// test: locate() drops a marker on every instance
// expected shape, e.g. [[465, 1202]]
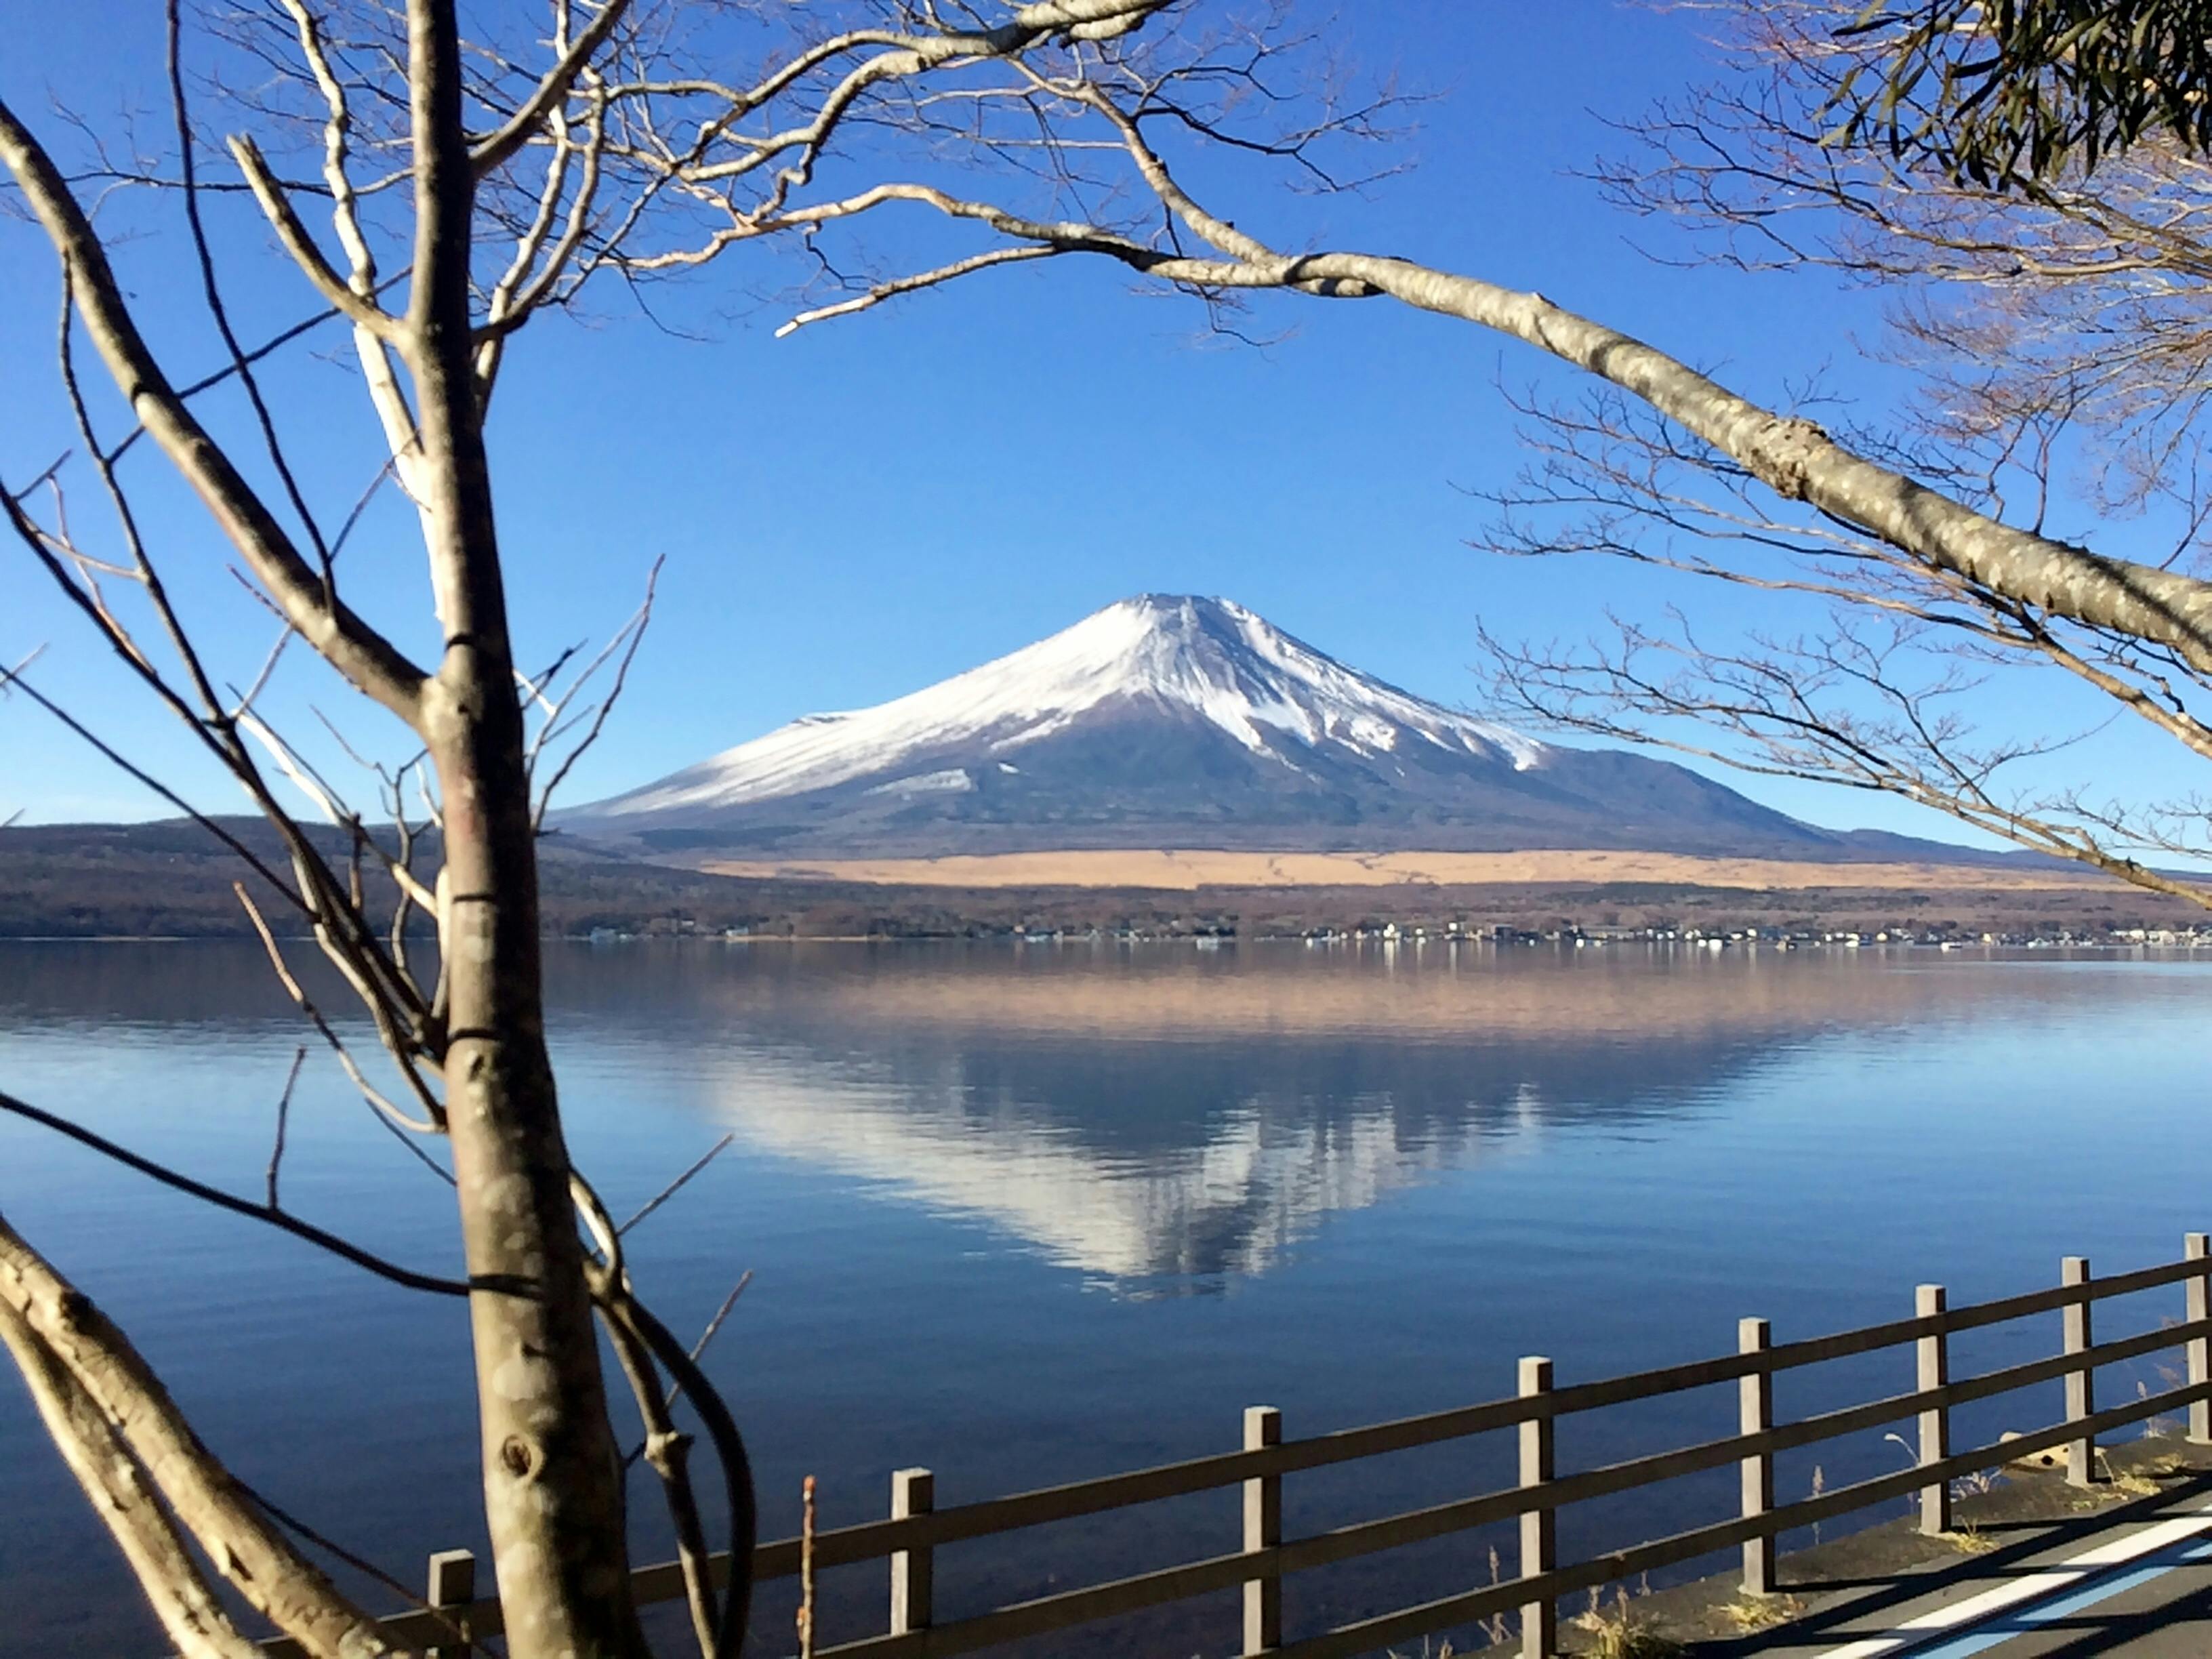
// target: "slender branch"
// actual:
[[713, 1325], [212, 292], [494, 152], [1794, 457], [261, 1564], [407, 1278], [365, 657], [698, 1351], [355, 308], [191, 1615], [283, 1114], [274, 344], [451, 1632], [12, 679], [635, 631], [675, 1186], [306, 1005], [892, 287]]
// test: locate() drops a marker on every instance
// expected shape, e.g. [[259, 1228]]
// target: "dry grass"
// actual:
[[1968, 1538], [2145, 1479], [1622, 1634], [1186, 870], [1634, 1641], [1748, 1614]]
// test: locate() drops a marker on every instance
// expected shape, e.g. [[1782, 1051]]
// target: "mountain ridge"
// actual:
[[1177, 720]]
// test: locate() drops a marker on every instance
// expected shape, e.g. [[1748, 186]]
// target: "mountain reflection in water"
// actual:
[[1166, 1119]]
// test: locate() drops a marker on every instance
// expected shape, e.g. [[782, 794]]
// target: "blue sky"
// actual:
[[865, 507]]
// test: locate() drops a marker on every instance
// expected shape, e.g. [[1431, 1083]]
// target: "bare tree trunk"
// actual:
[[552, 1479], [552, 1476], [552, 1484]]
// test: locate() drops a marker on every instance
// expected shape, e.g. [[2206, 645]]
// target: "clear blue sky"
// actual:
[[867, 507]]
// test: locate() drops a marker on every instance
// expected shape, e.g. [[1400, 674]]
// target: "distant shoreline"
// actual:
[[168, 881]]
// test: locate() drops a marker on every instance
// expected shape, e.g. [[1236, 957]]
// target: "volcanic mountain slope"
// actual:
[[1168, 721]]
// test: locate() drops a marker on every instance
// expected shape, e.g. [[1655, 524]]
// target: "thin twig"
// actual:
[[807, 1569], [220, 314], [316, 1236], [369, 1090], [13, 679], [415, 1150], [284, 1112], [635, 629], [698, 1350], [362, 1565], [670, 1189], [275, 343]]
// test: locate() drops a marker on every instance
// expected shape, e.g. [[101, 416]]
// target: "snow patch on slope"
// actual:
[[1209, 657], [955, 781]]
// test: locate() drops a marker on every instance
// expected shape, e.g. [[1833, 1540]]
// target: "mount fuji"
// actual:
[[1172, 721]]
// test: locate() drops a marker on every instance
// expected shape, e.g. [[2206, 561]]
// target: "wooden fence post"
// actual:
[[1935, 1354], [914, 1573], [1755, 1395], [452, 1583], [2197, 1247], [1540, 1619], [1263, 1531], [2081, 1394]]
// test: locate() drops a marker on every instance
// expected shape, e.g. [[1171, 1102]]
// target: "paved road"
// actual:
[[2168, 1618], [2138, 1590], [2160, 1608]]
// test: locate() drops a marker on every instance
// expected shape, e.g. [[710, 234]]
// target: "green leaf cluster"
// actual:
[[2010, 93]]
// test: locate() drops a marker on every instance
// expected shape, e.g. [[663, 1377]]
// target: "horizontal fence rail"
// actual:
[[908, 1540]]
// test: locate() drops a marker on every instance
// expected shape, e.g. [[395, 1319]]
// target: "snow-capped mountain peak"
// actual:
[[1203, 659], [1165, 722]]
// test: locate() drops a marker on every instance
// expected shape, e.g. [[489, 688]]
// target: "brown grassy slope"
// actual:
[[1192, 869], [82, 881]]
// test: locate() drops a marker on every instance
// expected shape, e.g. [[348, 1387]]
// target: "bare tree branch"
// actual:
[[283, 1113], [365, 657], [261, 1563], [191, 1616], [677, 1185], [407, 1278]]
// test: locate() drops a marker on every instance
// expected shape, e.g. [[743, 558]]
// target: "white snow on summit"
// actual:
[[1206, 657]]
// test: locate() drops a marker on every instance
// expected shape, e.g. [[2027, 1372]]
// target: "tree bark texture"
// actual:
[[192, 1619], [90, 1364], [552, 1475], [1799, 460]]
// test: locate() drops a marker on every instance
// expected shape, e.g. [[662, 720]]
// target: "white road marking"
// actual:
[[2028, 1587]]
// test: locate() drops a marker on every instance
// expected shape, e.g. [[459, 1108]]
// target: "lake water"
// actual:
[[1022, 1215]]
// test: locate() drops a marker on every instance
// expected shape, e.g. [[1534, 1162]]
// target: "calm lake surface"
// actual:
[[1022, 1215]]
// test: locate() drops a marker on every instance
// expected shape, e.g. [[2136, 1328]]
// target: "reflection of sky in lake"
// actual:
[[976, 1184]]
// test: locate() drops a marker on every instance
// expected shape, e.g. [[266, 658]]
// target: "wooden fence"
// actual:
[[908, 1537]]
